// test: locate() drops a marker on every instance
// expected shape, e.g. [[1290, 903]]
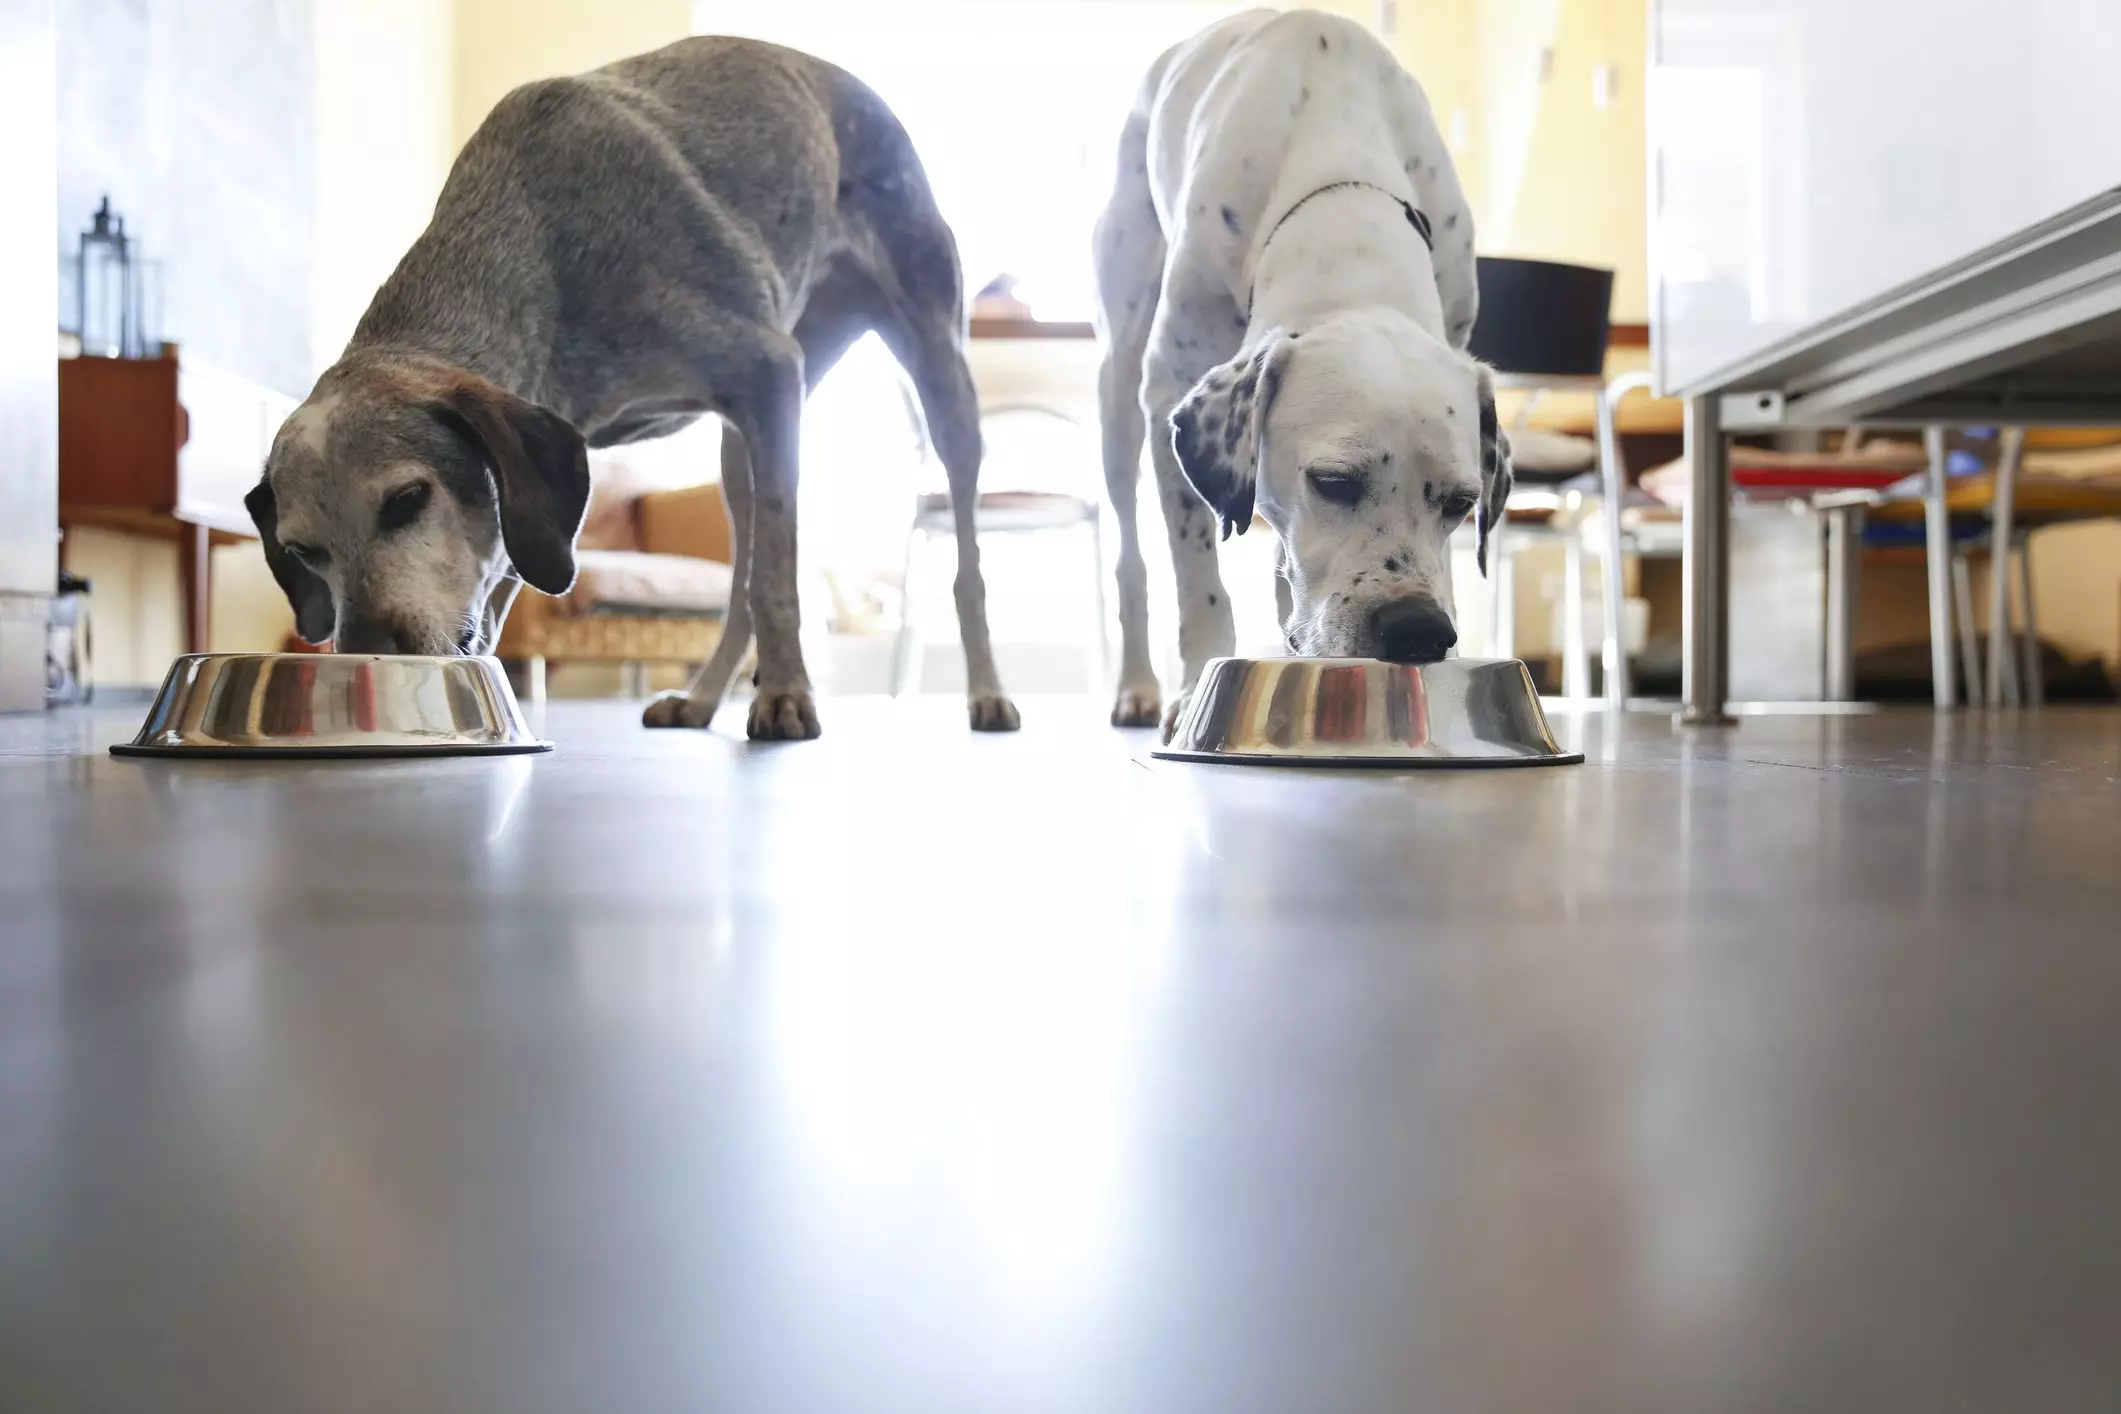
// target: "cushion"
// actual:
[[609, 522], [635, 582], [1765, 472], [2095, 465], [693, 521], [1537, 452]]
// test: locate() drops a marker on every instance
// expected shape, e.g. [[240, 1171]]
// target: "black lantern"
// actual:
[[105, 300]]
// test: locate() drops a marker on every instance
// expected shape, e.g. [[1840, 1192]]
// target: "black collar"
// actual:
[[1415, 217]]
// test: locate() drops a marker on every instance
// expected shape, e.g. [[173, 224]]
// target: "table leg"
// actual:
[[2001, 662], [1102, 645], [1844, 564], [1938, 562], [1705, 674], [1612, 471], [195, 563], [907, 652], [2032, 670]]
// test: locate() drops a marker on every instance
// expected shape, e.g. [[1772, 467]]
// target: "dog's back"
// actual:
[[768, 129], [707, 179], [1254, 107]]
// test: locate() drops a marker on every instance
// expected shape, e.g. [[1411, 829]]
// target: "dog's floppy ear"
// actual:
[[540, 469], [1495, 474], [306, 594], [1219, 429]]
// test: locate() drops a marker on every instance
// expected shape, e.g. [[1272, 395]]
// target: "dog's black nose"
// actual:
[[1413, 631], [361, 633]]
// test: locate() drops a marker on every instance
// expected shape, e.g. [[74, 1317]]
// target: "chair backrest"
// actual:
[[1034, 447], [1541, 316]]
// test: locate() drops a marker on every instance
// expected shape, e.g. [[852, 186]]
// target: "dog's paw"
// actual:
[[783, 716], [1172, 713], [677, 709], [992, 712], [1137, 707]]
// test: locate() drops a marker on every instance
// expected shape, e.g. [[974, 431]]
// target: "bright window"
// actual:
[[1015, 107]]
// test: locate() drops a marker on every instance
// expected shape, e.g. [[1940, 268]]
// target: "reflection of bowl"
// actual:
[[1357, 711], [332, 704]]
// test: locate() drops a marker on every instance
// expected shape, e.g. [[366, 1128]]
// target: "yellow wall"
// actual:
[[503, 43], [1581, 192], [1549, 173], [385, 138], [2077, 589]]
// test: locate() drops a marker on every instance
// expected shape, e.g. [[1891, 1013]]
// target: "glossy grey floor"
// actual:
[[1776, 1069]]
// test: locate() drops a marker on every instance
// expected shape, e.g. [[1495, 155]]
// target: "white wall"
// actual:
[[385, 82]]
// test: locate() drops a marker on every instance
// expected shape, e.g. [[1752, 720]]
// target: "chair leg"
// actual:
[[2031, 670], [1103, 641], [1969, 632], [1575, 653], [536, 683], [1844, 566], [1938, 562], [1613, 477], [2002, 665], [633, 679], [1504, 643], [906, 652]]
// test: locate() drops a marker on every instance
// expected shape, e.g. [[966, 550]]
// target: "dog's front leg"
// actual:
[[769, 413], [1207, 628], [1284, 594], [931, 353], [695, 706]]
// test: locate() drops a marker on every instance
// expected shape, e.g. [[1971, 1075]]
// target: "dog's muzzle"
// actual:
[[485, 635], [1412, 631], [363, 633]]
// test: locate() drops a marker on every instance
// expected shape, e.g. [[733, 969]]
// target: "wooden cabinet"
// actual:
[[165, 447]]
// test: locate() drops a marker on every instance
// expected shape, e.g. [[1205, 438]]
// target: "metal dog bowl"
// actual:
[[1361, 712], [333, 704]]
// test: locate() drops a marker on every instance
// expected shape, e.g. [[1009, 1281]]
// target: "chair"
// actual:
[[1861, 498], [1544, 327], [652, 586], [1003, 512], [2027, 490]]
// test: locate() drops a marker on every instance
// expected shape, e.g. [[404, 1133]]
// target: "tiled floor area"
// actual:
[[1770, 1070]]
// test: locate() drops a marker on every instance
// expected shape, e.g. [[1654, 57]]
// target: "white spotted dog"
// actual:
[[1286, 285]]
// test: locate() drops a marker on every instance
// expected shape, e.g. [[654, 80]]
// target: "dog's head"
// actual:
[[1364, 443], [403, 499]]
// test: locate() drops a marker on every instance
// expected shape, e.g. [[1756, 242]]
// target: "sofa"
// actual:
[[651, 587]]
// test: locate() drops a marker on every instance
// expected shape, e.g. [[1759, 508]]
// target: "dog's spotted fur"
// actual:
[[1279, 329]]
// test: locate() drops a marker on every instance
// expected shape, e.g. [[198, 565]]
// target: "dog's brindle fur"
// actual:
[[700, 230]]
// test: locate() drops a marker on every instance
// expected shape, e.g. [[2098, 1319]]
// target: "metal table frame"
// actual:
[[1959, 347]]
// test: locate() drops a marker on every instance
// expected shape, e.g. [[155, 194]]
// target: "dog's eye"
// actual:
[[307, 556], [403, 506], [1458, 507], [1337, 488]]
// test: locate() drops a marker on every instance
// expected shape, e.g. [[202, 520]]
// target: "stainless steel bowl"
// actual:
[[1360, 712], [333, 704]]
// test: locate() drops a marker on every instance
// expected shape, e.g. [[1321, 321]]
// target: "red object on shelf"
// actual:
[[1849, 477]]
